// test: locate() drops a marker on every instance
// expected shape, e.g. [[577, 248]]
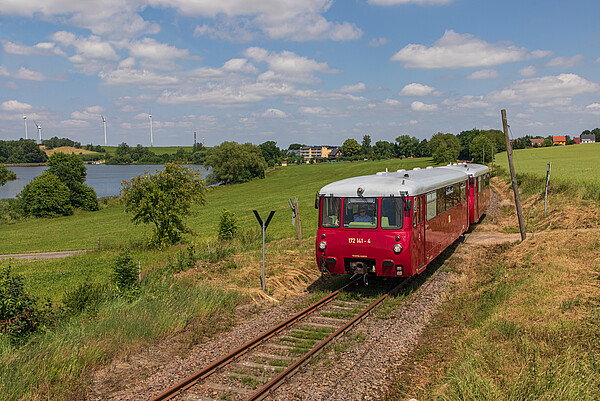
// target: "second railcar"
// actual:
[[390, 224]]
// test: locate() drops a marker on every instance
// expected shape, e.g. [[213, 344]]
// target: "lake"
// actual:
[[106, 180]]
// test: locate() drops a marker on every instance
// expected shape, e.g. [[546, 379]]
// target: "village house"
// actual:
[[588, 138], [537, 142], [559, 140]]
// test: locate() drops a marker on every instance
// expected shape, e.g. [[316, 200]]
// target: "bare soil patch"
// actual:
[[65, 149]]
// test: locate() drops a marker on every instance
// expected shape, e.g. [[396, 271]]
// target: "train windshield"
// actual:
[[391, 213], [360, 212], [331, 215]]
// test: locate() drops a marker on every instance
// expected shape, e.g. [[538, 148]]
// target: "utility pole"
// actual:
[[513, 176]]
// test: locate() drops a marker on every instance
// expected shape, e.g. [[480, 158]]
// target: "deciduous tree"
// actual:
[[6, 175], [444, 148], [232, 162], [350, 148], [164, 199], [69, 168]]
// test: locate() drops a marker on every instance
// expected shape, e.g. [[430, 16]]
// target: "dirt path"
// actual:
[[44, 255]]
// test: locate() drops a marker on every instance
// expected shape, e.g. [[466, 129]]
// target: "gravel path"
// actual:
[[44, 255]]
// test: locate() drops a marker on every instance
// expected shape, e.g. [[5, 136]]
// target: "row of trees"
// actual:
[[21, 151]]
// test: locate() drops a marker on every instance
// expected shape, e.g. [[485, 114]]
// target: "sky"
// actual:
[[314, 72]]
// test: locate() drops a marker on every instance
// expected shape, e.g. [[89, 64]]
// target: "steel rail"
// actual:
[[277, 381], [210, 369]]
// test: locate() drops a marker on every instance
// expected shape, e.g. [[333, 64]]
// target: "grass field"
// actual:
[[524, 324], [112, 225], [574, 162], [158, 150]]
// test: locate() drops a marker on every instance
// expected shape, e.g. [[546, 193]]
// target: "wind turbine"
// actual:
[[151, 138], [104, 124], [39, 129], [25, 119]]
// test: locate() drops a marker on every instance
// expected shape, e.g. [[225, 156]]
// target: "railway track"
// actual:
[[255, 369]]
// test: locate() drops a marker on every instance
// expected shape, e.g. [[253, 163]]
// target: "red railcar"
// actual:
[[479, 191], [392, 223]]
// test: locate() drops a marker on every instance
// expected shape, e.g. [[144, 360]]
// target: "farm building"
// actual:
[[559, 140], [588, 138]]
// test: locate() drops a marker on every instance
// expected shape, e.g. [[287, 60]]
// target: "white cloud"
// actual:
[[88, 113], [240, 65], [359, 87], [40, 49], [528, 71], [566, 62], [223, 95], [4, 72], [151, 49], [87, 48], [420, 106], [416, 89], [287, 66], [14, 105], [545, 88], [128, 76], [392, 102], [594, 107], [274, 113], [376, 42], [454, 50], [484, 74], [466, 102], [29, 75], [74, 124]]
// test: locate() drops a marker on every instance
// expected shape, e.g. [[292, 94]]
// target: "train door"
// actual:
[[475, 191], [418, 233]]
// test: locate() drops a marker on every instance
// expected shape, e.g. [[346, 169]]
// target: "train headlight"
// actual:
[[322, 245], [397, 248]]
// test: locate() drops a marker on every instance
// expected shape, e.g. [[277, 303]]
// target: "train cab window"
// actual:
[[463, 191], [391, 213], [331, 212], [360, 212], [479, 182]]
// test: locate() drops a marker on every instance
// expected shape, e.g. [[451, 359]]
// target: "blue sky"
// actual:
[[296, 71]]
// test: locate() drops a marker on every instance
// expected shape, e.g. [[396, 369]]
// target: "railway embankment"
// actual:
[[524, 321]]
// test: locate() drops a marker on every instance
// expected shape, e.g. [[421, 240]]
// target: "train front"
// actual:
[[365, 227]]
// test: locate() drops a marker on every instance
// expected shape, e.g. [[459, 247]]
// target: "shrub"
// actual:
[[84, 197], [227, 225], [125, 275], [46, 195], [84, 297], [19, 312], [6, 175]]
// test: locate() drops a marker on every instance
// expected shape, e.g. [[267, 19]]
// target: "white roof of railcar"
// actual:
[[472, 169], [402, 182]]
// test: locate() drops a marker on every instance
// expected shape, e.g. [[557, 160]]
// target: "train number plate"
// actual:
[[359, 240]]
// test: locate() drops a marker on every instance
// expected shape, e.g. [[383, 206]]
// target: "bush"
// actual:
[[125, 275], [227, 225], [45, 196], [85, 297], [19, 312], [84, 197], [6, 175]]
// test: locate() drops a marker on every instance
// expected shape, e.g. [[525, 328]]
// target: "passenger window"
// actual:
[[391, 213], [431, 205], [463, 191], [417, 212], [331, 217]]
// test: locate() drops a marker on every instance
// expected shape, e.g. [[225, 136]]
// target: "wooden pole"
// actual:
[[513, 176], [298, 227]]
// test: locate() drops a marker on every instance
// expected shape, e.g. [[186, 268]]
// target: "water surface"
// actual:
[[106, 180]]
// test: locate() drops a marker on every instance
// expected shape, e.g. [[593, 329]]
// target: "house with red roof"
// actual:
[[559, 140]]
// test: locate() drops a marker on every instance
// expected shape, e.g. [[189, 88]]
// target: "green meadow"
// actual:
[[158, 150], [112, 225], [574, 162]]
